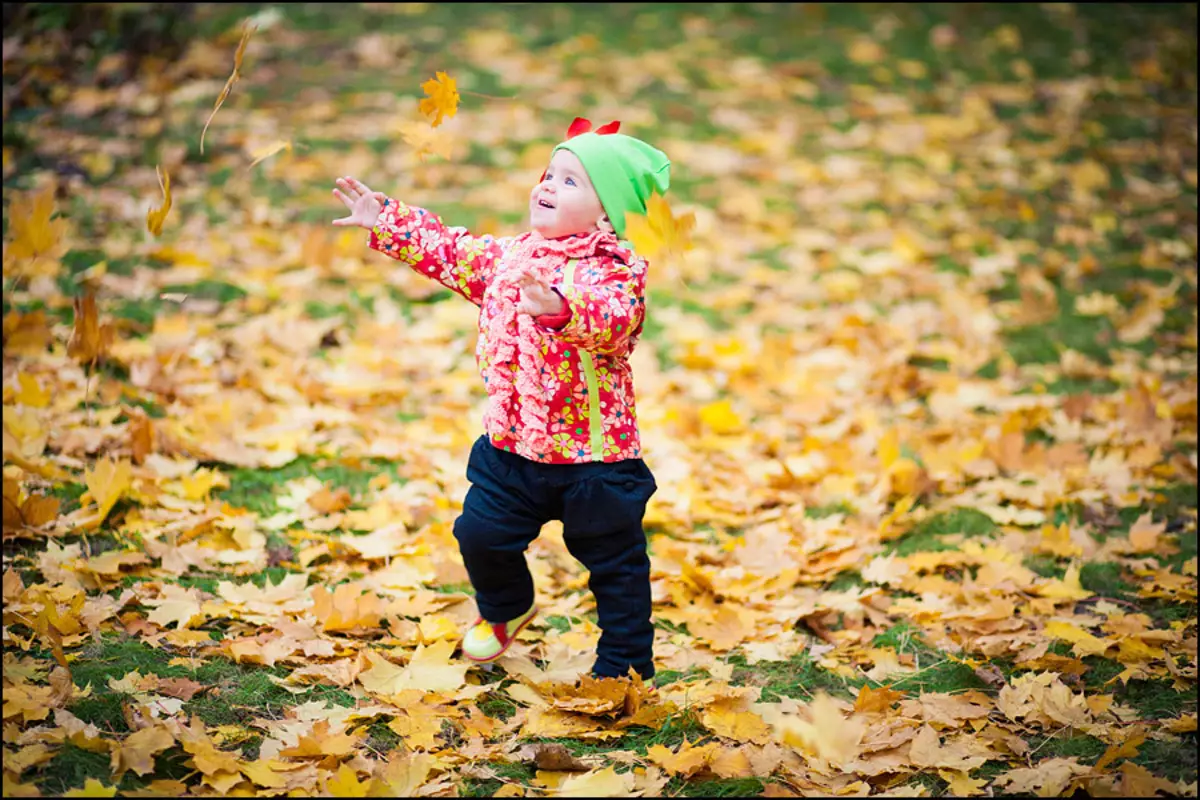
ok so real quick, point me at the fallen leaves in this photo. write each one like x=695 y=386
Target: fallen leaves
x=964 y=408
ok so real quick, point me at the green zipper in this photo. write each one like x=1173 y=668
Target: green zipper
x=595 y=420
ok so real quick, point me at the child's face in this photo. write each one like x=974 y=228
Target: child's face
x=565 y=202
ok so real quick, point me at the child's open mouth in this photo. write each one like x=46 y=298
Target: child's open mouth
x=544 y=204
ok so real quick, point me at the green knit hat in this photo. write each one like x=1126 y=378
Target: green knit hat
x=624 y=171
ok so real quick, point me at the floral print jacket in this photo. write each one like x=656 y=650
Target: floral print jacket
x=588 y=381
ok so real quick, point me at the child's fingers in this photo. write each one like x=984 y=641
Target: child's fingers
x=346 y=200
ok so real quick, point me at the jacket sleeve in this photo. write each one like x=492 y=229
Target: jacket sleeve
x=604 y=315
x=451 y=256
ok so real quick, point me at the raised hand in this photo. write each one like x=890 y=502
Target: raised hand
x=537 y=298
x=363 y=203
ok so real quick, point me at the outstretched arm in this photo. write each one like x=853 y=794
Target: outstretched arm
x=451 y=256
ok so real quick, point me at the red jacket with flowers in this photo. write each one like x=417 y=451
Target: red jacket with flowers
x=589 y=385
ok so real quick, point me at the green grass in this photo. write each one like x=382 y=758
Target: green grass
x=928 y=534
x=799 y=677
x=721 y=787
x=254 y=489
x=675 y=729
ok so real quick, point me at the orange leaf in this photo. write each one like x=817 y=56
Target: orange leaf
x=658 y=232
x=89 y=339
x=442 y=99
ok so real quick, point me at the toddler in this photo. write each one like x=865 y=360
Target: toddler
x=560 y=311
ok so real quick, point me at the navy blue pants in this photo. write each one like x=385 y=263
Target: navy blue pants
x=601 y=507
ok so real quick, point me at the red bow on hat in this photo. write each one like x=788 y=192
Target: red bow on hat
x=582 y=125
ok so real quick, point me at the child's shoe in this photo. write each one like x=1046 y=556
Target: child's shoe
x=487 y=641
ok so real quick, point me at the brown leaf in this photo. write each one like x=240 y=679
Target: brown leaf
x=90 y=341
x=555 y=756
x=327 y=502
x=183 y=688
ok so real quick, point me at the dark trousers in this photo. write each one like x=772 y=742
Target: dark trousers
x=601 y=507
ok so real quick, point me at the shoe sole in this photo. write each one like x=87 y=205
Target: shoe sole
x=503 y=649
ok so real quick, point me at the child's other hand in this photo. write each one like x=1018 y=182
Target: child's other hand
x=363 y=203
x=537 y=298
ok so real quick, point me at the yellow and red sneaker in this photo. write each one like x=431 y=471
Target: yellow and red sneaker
x=487 y=641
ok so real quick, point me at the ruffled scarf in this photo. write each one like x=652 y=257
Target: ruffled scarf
x=507 y=332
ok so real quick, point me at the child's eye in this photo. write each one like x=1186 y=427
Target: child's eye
x=570 y=181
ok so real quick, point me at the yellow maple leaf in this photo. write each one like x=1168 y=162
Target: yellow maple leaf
x=348 y=608
x=828 y=734
x=155 y=217
x=1144 y=533
x=725 y=719
x=177 y=604
x=403 y=775
x=108 y=481
x=425 y=140
x=605 y=782
x=719 y=417
x=1125 y=749
x=92 y=788
x=962 y=784
x=322 y=742
x=36 y=241
x=137 y=752
x=1069 y=588
x=345 y=783
x=1085 y=644
x=687 y=760
x=658 y=232
x=442 y=98
x=731 y=764
x=876 y=701
x=90 y=341
x=26 y=334
x=418 y=725
x=237 y=65
x=30 y=392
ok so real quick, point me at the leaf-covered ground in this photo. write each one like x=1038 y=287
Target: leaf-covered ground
x=921 y=403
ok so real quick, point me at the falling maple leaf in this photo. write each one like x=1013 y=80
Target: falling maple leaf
x=155 y=217
x=425 y=140
x=36 y=240
x=441 y=98
x=90 y=341
x=829 y=734
x=658 y=233
x=266 y=151
x=233 y=78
